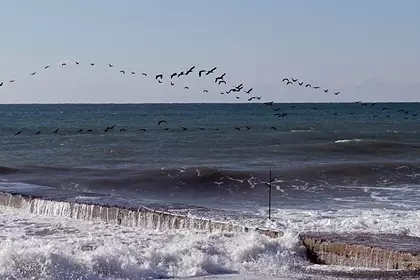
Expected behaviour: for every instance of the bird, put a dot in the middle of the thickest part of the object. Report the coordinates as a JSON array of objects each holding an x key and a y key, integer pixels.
[
  {"x": 200, "y": 72},
  {"x": 189, "y": 70},
  {"x": 326, "y": 90},
  {"x": 56, "y": 131},
  {"x": 220, "y": 77},
  {"x": 46, "y": 67},
  {"x": 247, "y": 127},
  {"x": 293, "y": 106},
  {"x": 32, "y": 73},
  {"x": 269, "y": 103},
  {"x": 38, "y": 132},
  {"x": 19, "y": 132},
  {"x": 112, "y": 127},
  {"x": 106, "y": 129},
  {"x": 133, "y": 73},
  {"x": 308, "y": 85},
  {"x": 289, "y": 83},
  {"x": 205, "y": 90},
  {"x": 186, "y": 87},
  {"x": 211, "y": 71},
  {"x": 181, "y": 74},
  {"x": 77, "y": 62},
  {"x": 1, "y": 84},
  {"x": 414, "y": 114},
  {"x": 285, "y": 80},
  {"x": 144, "y": 74},
  {"x": 336, "y": 93},
  {"x": 237, "y": 97},
  {"x": 122, "y": 71},
  {"x": 92, "y": 64},
  {"x": 89, "y": 130},
  {"x": 301, "y": 83},
  {"x": 383, "y": 109},
  {"x": 273, "y": 128},
  {"x": 250, "y": 99},
  {"x": 63, "y": 64},
  {"x": 248, "y": 91},
  {"x": 277, "y": 109},
  {"x": 315, "y": 87},
  {"x": 166, "y": 129},
  {"x": 184, "y": 128},
  {"x": 227, "y": 92},
  {"x": 11, "y": 81},
  {"x": 239, "y": 87},
  {"x": 221, "y": 82},
  {"x": 162, "y": 121},
  {"x": 159, "y": 81},
  {"x": 238, "y": 128},
  {"x": 159, "y": 76},
  {"x": 259, "y": 97},
  {"x": 80, "y": 130},
  {"x": 223, "y": 93},
  {"x": 143, "y": 129},
  {"x": 122, "y": 129},
  {"x": 110, "y": 65},
  {"x": 294, "y": 80},
  {"x": 173, "y": 75},
  {"x": 172, "y": 84}
]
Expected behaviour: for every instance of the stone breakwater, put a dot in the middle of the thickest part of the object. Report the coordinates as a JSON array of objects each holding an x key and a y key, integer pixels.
[
  {"x": 113, "y": 214},
  {"x": 380, "y": 251}
]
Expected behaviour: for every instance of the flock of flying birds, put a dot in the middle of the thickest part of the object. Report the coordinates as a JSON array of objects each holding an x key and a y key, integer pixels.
[{"x": 218, "y": 80}]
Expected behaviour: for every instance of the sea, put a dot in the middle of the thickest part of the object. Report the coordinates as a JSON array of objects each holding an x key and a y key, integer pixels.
[{"x": 336, "y": 167}]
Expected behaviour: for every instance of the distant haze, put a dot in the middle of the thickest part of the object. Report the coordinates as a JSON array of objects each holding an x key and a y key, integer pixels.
[{"x": 367, "y": 50}]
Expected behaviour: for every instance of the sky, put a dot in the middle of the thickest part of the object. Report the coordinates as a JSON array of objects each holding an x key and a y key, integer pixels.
[{"x": 367, "y": 50}]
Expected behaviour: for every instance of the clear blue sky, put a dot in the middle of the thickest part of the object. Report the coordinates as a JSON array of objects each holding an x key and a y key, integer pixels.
[{"x": 368, "y": 50}]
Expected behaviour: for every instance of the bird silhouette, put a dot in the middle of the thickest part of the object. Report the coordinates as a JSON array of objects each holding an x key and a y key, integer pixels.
[
  {"x": 285, "y": 80},
  {"x": 294, "y": 80},
  {"x": 63, "y": 64},
  {"x": 269, "y": 103},
  {"x": 133, "y": 73},
  {"x": 46, "y": 67},
  {"x": 239, "y": 87},
  {"x": 223, "y": 93},
  {"x": 143, "y": 129},
  {"x": 19, "y": 132},
  {"x": 112, "y": 127},
  {"x": 247, "y": 127},
  {"x": 162, "y": 121},
  {"x": 259, "y": 97},
  {"x": 277, "y": 109},
  {"x": 184, "y": 128},
  {"x": 173, "y": 75},
  {"x": 289, "y": 83},
  {"x": 190, "y": 70},
  {"x": 181, "y": 74},
  {"x": 293, "y": 106},
  {"x": 159, "y": 76},
  {"x": 166, "y": 129},
  {"x": 227, "y": 92},
  {"x": 211, "y": 71},
  {"x": 201, "y": 72},
  {"x": 92, "y": 64},
  {"x": 38, "y": 132},
  {"x": 144, "y": 74},
  {"x": 238, "y": 128},
  {"x": 56, "y": 131},
  {"x": 32, "y": 73},
  {"x": 89, "y": 130},
  {"x": 186, "y": 87},
  {"x": 122, "y": 71},
  {"x": 205, "y": 90},
  {"x": 315, "y": 87},
  {"x": 122, "y": 129},
  {"x": 221, "y": 82},
  {"x": 301, "y": 83},
  {"x": 11, "y": 81},
  {"x": 251, "y": 98},
  {"x": 172, "y": 84},
  {"x": 237, "y": 97},
  {"x": 336, "y": 93},
  {"x": 80, "y": 130},
  {"x": 326, "y": 90},
  {"x": 220, "y": 77},
  {"x": 308, "y": 85},
  {"x": 202, "y": 128},
  {"x": 248, "y": 91},
  {"x": 273, "y": 128},
  {"x": 1, "y": 84},
  {"x": 110, "y": 65},
  {"x": 77, "y": 62},
  {"x": 414, "y": 114},
  {"x": 160, "y": 81}
]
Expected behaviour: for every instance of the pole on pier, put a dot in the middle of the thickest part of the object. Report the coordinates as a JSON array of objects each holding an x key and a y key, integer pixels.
[{"x": 269, "y": 194}]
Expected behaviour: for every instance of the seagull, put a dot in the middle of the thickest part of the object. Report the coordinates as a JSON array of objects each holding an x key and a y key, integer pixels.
[
  {"x": 181, "y": 74},
  {"x": 172, "y": 84},
  {"x": 239, "y": 87},
  {"x": 200, "y": 72},
  {"x": 247, "y": 127},
  {"x": 184, "y": 128},
  {"x": 143, "y": 129},
  {"x": 251, "y": 98},
  {"x": 189, "y": 70},
  {"x": 122, "y": 129},
  {"x": 144, "y": 74},
  {"x": 289, "y": 83},
  {"x": 269, "y": 103},
  {"x": 223, "y": 93},
  {"x": 205, "y": 90},
  {"x": 248, "y": 91},
  {"x": 162, "y": 121},
  {"x": 308, "y": 85},
  {"x": 238, "y": 128},
  {"x": 221, "y": 82},
  {"x": 133, "y": 73},
  {"x": 1, "y": 84},
  {"x": 285, "y": 80},
  {"x": 19, "y": 132},
  {"x": 160, "y": 76},
  {"x": 38, "y": 132},
  {"x": 220, "y": 78},
  {"x": 315, "y": 87},
  {"x": 294, "y": 80},
  {"x": 227, "y": 92},
  {"x": 92, "y": 64},
  {"x": 122, "y": 71},
  {"x": 173, "y": 75},
  {"x": 56, "y": 131},
  {"x": 211, "y": 71},
  {"x": 301, "y": 83},
  {"x": 237, "y": 97},
  {"x": 77, "y": 62},
  {"x": 336, "y": 93},
  {"x": 110, "y": 65},
  {"x": 259, "y": 97},
  {"x": 80, "y": 130},
  {"x": 159, "y": 81},
  {"x": 46, "y": 67},
  {"x": 273, "y": 128},
  {"x": 63, "y": 64},
  {"x": 186, "y": 87},
  {"x": 11, "y": 81},
  {"x": 325, "y": 90}
]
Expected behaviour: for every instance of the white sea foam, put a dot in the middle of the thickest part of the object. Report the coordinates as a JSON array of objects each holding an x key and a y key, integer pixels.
[{"x": 348, "y": 140}]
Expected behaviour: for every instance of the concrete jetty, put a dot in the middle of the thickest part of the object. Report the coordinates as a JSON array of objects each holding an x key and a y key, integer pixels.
[
  {"x": 125, "y": 216},
  {"x": 381, "y": 251}
]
